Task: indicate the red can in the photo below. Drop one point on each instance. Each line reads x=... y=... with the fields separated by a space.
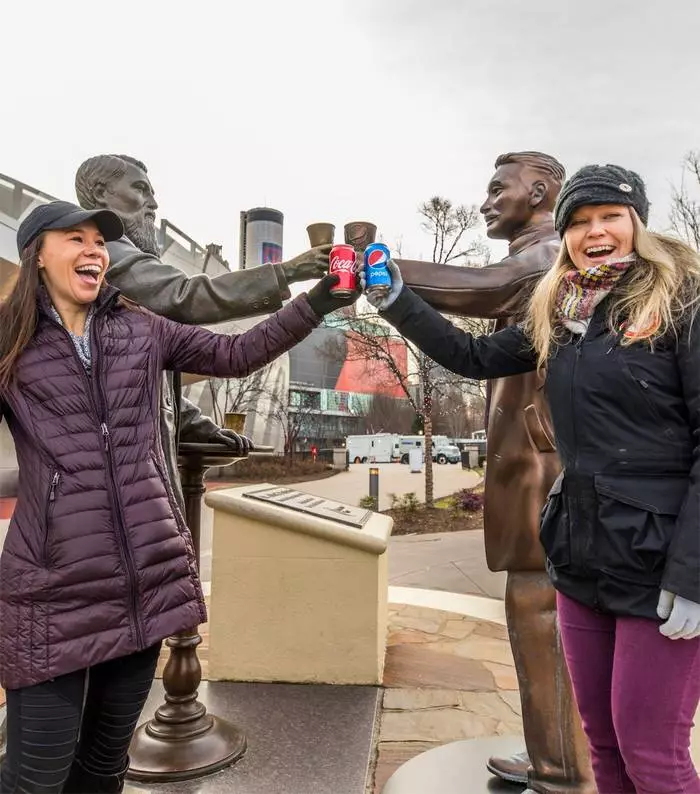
x=342 y=263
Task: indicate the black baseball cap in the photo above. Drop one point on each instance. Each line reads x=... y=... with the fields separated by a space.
x=64 y=215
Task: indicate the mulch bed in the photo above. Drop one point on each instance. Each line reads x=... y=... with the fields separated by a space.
x=277 y=470
x=426 y=521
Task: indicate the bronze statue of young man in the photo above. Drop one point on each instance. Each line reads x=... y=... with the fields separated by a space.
x=522 y=464
x=121 y=183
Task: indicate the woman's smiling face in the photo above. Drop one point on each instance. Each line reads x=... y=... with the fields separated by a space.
x=73 y=263
x=597 y=232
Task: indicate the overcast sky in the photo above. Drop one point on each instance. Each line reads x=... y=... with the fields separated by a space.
x=337 y=110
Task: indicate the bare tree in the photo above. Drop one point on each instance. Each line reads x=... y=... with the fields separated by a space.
x=294 y=418
x=386 y=414
x=685 y=207
x=236 y=395
x=459 y=411
x=450 y=229
x=392 y=362
x=422 y=382
x=449 y=226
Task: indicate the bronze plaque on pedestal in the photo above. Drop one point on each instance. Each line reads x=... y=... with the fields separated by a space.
x=355 y=517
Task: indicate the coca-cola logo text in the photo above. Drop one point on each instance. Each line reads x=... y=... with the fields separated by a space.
x=338 y=263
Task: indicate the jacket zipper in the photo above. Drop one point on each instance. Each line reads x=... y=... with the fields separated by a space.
x=50 y=499
x=116 y=501
x=576 y=556
x=117 y=517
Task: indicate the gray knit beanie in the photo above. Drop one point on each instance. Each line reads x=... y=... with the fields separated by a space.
x=600 y=184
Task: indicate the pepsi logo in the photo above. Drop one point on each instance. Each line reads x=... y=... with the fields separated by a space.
x=376 y=257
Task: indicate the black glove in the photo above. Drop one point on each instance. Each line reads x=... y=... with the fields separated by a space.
x=241 y=445
x=323 y=302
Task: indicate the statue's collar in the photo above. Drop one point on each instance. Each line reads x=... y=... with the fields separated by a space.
x=531 y=235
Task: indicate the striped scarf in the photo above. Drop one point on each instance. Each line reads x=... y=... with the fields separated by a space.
x=580 y=291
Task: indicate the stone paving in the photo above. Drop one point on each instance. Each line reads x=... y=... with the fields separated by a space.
x=447 y=677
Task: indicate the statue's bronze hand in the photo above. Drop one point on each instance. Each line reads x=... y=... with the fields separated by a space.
x=311 y=264
x=238 y=443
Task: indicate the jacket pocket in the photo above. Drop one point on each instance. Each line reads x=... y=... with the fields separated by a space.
x=636 y=522
x=644 y=396
x=172 y=499
x=554 y=526
x=51 y=494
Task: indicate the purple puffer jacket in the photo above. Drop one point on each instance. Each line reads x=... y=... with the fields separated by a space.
x=98 y=562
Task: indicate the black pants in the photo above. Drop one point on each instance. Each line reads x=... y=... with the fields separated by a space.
x=61 y=735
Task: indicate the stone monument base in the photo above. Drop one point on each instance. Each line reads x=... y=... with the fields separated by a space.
x=456 y=768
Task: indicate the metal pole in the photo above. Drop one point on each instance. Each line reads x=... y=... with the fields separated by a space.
x=374 y=486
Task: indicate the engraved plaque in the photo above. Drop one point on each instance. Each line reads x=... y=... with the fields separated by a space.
x=314 y=505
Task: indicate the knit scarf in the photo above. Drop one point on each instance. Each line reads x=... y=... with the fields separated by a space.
x=580 y=291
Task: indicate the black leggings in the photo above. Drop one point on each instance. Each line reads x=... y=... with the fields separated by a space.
x=57 y=728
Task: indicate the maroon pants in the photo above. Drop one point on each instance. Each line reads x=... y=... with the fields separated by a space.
x=637 y=692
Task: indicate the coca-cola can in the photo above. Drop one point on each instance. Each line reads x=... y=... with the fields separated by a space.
x=342 y=263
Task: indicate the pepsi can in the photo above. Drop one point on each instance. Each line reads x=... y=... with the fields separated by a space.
x=377 y=275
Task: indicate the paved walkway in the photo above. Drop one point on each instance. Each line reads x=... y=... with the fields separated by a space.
x=447 y=677
x=454 y=562
x=350 y=486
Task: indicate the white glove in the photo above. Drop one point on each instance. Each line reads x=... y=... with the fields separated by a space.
x=682 y=616
x=378 y=301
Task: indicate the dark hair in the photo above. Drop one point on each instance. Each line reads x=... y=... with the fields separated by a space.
x=18 y=313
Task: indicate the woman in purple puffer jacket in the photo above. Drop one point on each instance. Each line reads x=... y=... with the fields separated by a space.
x=98 y=565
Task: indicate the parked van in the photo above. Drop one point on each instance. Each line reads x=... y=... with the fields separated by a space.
x=443 y=451
x=374 y=448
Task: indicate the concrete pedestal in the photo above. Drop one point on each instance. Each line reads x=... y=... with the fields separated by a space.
x=296 y=596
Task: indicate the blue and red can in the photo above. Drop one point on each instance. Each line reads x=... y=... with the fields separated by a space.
x=377 y=275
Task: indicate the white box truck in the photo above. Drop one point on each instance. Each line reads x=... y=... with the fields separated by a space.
x=374 y=448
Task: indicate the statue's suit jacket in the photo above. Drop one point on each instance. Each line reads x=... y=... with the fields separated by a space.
x=521 y=463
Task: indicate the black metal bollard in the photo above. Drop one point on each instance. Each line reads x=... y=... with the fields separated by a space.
x=374 y=486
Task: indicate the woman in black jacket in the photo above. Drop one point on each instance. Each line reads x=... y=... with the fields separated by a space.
x=614 y=323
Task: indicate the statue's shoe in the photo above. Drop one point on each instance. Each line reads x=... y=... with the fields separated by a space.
x=513 y=769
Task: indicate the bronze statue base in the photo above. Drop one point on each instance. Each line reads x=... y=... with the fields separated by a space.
x=160 y=753
x=456 y=768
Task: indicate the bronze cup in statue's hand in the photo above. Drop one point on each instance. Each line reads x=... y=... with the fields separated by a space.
x=360 y=234
x=320 y=234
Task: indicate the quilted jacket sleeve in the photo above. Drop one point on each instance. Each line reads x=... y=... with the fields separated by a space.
x=507 y=352
x=188 y=348
x=682 y=571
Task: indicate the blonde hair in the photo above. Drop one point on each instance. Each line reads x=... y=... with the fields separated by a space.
x=656 y=294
